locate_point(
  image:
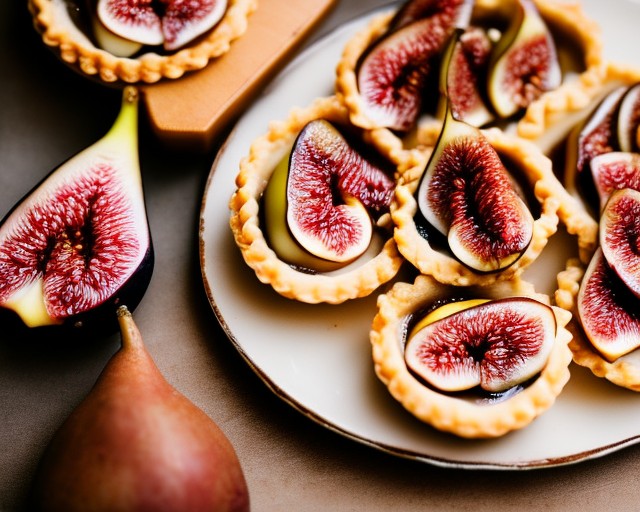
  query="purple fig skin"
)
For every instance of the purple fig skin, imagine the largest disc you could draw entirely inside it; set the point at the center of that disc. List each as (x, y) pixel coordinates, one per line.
(136, 444)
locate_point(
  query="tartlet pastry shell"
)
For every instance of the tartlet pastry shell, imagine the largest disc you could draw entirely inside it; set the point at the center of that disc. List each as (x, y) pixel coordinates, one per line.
(443, 267)
(76, 49)
(357, 280)
(449, 413)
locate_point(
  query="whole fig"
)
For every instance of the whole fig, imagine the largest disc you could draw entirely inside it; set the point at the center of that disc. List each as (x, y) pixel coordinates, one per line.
(135, 443)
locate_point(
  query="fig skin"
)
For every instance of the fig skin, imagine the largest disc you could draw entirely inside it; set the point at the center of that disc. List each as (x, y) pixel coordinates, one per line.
(524, 63)
(79, 283)
(135, 443)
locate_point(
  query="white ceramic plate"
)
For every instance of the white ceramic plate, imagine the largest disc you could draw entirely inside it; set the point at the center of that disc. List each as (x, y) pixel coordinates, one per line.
(318, 358)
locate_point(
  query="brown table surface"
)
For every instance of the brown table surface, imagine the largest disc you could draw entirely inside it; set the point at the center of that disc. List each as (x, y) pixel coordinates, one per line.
(47, 113)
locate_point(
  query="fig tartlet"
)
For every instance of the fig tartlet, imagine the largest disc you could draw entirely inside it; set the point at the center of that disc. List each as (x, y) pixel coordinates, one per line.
(430, 253)
(310, 213)
(72, 29)
(477, 362)
(602, 168)
(514, 52)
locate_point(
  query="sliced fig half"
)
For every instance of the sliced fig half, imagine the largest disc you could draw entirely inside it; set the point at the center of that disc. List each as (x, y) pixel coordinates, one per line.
(593, 137)
(462, 70)
(608, 311)
(614, 171)
(78, 244)
(393, 73)
(495, 345)
(172, 23)
(629, 120)
(467, 194)
(620, 236)
(524, 63)
(320, 200)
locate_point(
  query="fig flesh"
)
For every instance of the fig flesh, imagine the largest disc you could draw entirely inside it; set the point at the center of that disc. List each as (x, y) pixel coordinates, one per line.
(609, 313)
(171, 23)
(79, 242)
(614, 171)
(463, 68)
(629, 120)
(620, 236)
(467, 194)
(394, 72)
(524, 63)
(321, 199)
(496, 345)
(136, 443)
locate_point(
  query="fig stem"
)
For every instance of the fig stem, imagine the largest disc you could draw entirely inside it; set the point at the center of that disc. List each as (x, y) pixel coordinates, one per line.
(127, 117)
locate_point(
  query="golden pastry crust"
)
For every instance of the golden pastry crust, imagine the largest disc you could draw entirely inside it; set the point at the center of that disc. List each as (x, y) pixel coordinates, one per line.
(624, 371)
(443, 267)
(359, 279)
(75, 48)
(446, 412)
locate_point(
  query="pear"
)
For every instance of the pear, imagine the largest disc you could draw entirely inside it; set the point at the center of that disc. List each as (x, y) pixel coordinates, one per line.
(136, 443)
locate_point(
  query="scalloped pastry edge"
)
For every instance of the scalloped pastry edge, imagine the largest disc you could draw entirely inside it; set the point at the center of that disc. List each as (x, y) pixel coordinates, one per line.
(77, 50)
(255, 170)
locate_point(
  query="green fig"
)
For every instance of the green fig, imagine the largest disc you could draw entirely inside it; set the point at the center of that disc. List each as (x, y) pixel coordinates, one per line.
(135, 443)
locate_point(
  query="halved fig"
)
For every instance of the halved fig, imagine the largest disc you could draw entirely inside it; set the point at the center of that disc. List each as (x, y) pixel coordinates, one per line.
(320, 200)
(620, 236)
(495, 345)
(614, 171)
(78, 244)
(393, 73)
(593, 137)
(629, 120)
(462, 70)
(608, 311)
(524, 63)
(172, 23)
(467, 194)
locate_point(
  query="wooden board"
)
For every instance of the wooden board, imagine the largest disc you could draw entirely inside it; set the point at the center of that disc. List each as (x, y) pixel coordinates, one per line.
(189, 112)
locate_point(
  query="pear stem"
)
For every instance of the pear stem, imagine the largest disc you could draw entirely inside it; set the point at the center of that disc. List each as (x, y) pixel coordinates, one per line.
(129, 331)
